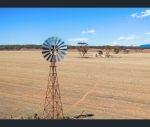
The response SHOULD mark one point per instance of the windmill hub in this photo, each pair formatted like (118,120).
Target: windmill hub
(53,51)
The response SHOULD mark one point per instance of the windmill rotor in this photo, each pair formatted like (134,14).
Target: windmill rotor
(54,49)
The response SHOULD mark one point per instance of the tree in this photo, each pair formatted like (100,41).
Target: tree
(82,48)
(117,50)
(100,52)
(108,48)
(141,49)
(126,51)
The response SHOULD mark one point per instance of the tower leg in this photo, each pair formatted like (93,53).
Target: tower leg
(53,105)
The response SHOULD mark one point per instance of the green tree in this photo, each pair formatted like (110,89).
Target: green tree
(117,50)
(108,49)
(82,48)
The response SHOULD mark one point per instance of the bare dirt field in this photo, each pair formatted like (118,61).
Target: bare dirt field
(106,87)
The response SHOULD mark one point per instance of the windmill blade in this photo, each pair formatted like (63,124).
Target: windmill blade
(51,60)
(63,49)
(58,57)
(61,55)
(62,46)
(45,44)
(48,57)
(54,58)
(52,41)
(46,54)
(61,43)
(45,48)
(64,53)
(58,42)
(45,51)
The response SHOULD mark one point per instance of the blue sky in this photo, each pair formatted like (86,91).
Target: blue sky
(96,26)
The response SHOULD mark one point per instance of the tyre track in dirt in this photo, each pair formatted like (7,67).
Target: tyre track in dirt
(92,78)
(85,95)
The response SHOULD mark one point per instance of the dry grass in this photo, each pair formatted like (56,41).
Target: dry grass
(107,87)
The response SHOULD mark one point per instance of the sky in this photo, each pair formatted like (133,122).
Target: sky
(95,26)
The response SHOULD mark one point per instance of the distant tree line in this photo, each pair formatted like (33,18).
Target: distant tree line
(116,48)
(109,46)
(19,47)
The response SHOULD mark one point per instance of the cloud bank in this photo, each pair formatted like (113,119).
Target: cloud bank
(131,37)
(77,39)
(91,31)
(141,15)
(148,33)
(74,41)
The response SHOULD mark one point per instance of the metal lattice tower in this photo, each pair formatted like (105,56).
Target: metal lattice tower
(54,51)
(53,105)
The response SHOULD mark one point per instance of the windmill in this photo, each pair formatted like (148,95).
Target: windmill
(54,50)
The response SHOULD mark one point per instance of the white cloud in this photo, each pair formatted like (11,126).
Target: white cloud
(73,41)
(131,37)
(77,39)
(91,31)
(148,33)
(112,43)
(136,43)
(141,15)
(129,43)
